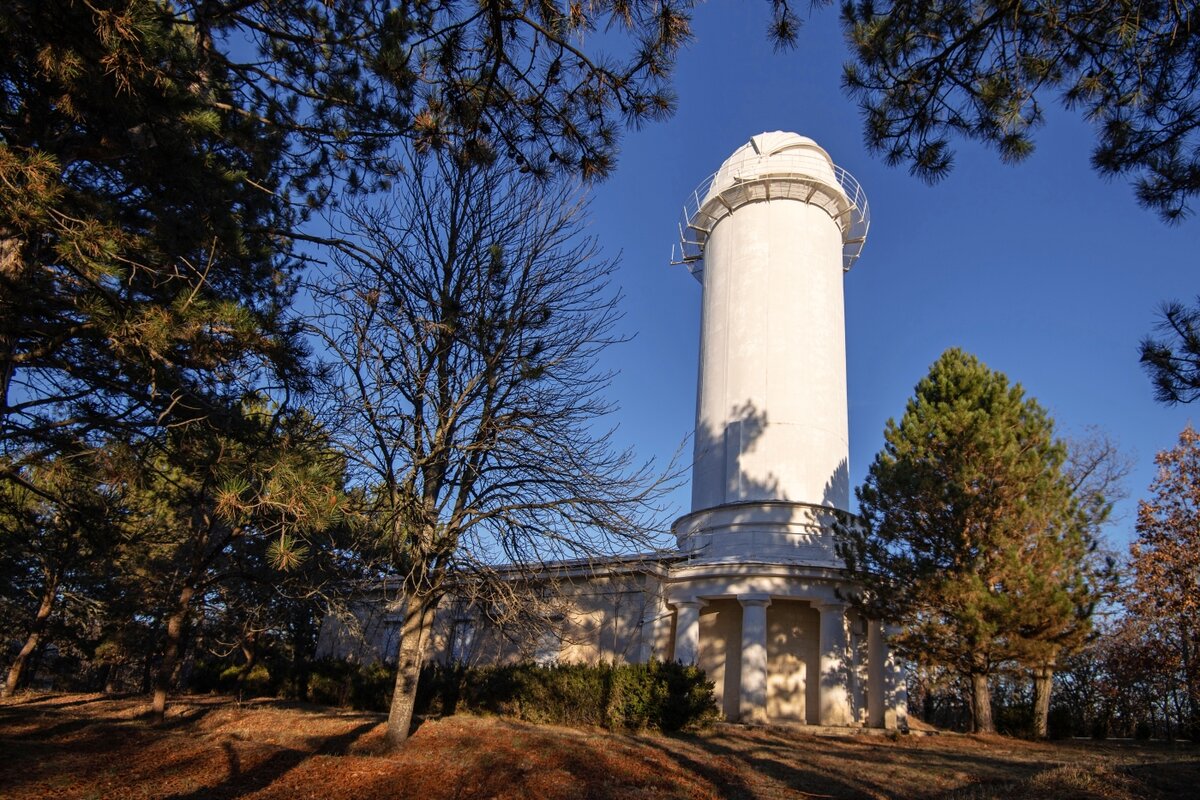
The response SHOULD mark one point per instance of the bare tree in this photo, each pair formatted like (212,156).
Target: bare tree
(463,327)
(1096,470)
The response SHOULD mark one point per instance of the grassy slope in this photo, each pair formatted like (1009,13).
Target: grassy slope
(87,746)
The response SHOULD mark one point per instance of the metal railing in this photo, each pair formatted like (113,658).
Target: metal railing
(805,169)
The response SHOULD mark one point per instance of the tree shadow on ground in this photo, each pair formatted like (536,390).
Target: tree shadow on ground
(181,718)
(494,757)
(765,761)
(48,700)
(833,766)
(239,781)
(727,783)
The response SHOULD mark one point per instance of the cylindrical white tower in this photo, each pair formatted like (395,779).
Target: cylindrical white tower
(769,237)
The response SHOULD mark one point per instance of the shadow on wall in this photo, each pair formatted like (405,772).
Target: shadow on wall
(719,477)
(837,488)
(745,497)
(577,617)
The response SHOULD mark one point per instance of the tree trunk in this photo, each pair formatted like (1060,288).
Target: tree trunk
(250,654)
(1043,686)
(302,679)
(162,682)
(981,704)
(303,647)
(1191,675)
(17,671)
(414,639)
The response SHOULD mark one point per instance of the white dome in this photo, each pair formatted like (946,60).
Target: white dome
(776,153)
(773,143)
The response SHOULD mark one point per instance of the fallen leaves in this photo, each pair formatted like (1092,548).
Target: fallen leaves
(77,747)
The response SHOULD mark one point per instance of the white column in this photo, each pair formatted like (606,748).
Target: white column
(753,702)
(834,694)
(858,672)
(652,611)
(875,670)
(687,630)
(895,711)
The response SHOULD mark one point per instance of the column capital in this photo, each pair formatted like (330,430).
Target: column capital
(830,606)
(754,599)
(686,602)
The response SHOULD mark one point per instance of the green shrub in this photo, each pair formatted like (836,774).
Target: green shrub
(371,687)
(1062,723)
(1014,720)
(657,695)
(256,683)
(366,687)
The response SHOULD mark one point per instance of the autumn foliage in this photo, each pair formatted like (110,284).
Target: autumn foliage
(1165,560)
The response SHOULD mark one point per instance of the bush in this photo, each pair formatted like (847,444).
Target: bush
(1062,723)
(256,683)
(657,695)
(1014,720)
(365,687)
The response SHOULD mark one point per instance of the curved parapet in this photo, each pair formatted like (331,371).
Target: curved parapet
(774,166)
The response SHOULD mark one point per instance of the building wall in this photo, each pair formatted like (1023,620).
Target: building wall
(366,632)
(792,656)
(721,652)
(772,360)
(612,618)
(793,628)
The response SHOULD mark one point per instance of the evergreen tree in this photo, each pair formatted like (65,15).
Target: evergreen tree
(59,526)
(1173,359)
(142,283)
(926,70)
(276,482)
(346,82)
(969,532)
(1078,571)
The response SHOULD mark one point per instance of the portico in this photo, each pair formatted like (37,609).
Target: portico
(783,647)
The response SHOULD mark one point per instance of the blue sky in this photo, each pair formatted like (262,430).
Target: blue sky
(1043,270)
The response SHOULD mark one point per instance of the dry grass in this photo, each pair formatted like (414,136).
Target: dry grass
(90,747)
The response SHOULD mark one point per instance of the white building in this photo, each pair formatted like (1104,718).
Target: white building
(755,593)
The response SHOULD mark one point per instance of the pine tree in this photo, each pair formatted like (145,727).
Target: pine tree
(929,70)
(269,487)
(142,284)
(59,525)
(1172,360)
(968,533)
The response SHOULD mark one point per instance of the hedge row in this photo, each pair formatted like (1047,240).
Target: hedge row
(664,696)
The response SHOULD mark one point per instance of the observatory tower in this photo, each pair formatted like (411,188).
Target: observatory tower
(758,598)
(769,237)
